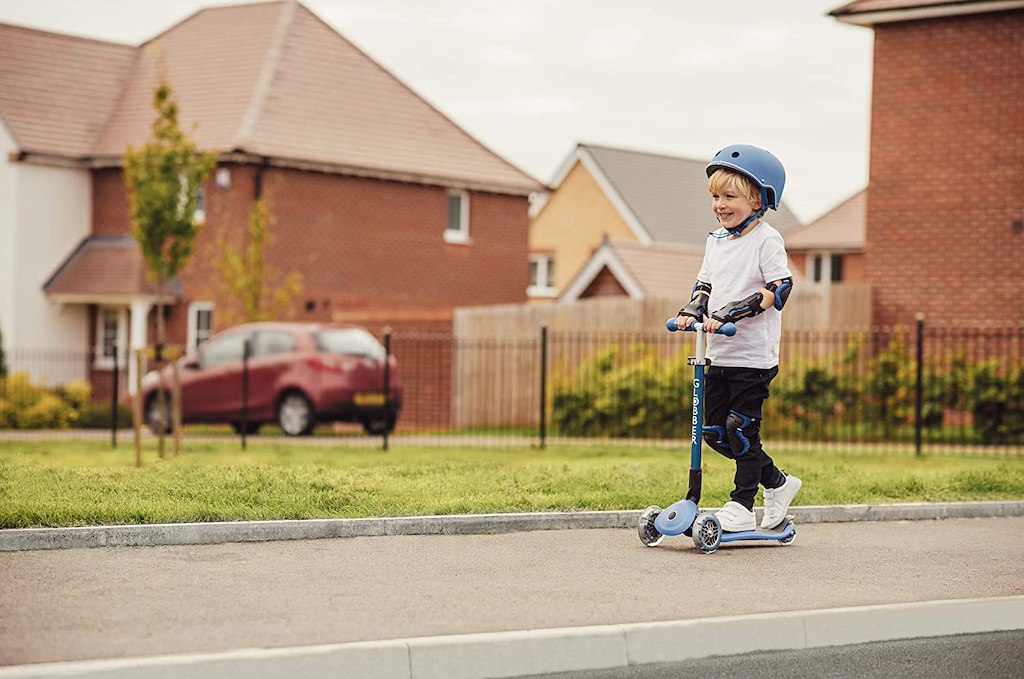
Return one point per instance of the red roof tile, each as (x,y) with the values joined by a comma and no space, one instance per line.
(841,228)
(105,266)
(57,91)
(269,79)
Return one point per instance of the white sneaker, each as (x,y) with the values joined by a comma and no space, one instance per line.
(777,500)
(734,518)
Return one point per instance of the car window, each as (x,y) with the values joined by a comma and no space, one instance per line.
(349,342)
(273,343)
(222,351)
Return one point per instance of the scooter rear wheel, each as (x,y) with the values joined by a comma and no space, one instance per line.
(707,533)
(649,535)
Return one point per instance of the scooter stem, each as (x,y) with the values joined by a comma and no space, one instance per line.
(697,418)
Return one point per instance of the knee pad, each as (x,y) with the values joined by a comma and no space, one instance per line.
(742,432)
(715,437)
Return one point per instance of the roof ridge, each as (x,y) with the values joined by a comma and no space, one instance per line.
(267,72)
(640,152)
(388,73)
(126,78)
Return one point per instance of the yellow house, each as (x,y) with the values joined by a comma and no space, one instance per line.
(621,195)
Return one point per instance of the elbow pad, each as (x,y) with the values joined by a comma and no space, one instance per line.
(698,306)
(745,308)
(781,291)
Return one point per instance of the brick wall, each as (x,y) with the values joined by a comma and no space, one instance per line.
(947,169)
(604,285)
(361,245)
(369,252)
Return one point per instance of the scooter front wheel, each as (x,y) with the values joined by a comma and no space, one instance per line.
(707,533)
(649,535)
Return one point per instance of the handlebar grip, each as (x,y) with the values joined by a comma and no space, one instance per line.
(727,329)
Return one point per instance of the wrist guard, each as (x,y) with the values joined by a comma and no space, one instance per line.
(745,308)
(698,306)
(781,291)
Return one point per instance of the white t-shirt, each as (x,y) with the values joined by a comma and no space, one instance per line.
(737,268)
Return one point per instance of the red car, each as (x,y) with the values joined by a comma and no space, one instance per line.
(300,375)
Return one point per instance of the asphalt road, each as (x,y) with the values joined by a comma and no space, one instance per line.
(997,655)
(129,602)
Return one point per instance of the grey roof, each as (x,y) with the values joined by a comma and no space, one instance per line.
(668,195)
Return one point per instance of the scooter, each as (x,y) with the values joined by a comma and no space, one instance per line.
(684,518)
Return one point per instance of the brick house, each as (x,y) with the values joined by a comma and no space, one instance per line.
(389,210)
(624,196)
(831,248)
(945,223)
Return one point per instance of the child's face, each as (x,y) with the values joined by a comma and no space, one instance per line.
(730,207)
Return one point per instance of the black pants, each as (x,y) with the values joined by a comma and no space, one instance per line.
(732,423)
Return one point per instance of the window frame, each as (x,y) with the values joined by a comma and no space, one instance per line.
(460,236)
(820,263)
(192,335)
(199,215)
(101,360)
(544,287)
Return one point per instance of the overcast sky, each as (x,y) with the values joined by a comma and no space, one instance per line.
(531,78)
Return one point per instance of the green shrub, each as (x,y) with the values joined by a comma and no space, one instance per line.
(997,403)
(631,394)
(97,416)
(24,405)
(855,395)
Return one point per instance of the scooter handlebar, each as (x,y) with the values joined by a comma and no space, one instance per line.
(727,329)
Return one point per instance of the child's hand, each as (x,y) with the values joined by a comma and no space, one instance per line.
(684,322)
(711,325)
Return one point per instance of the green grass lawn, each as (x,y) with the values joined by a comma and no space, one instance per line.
(76,483)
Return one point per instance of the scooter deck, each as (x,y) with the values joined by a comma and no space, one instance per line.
(784,530)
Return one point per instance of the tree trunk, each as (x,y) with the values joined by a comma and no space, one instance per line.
(159,355)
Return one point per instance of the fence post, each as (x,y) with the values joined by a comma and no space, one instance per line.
(137,405)
(919,396)
(387,385)
(543,383)
(246,350)
(176,405)
(113,403)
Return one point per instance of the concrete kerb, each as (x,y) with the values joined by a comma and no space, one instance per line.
(152,535)
(510,654)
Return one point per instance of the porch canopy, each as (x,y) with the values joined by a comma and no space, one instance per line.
(110,271)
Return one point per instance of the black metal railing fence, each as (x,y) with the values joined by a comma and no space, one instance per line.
(923,387)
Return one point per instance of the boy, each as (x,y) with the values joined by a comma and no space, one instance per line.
(745,277)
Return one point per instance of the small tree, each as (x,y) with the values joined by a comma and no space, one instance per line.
(163,180)
(260,289)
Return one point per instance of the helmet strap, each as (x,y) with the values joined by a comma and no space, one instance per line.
(739,229)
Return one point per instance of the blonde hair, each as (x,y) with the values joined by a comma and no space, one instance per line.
(723,180)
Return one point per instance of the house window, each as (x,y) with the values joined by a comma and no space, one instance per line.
(200,324)
(457,229)
(110,334)
(827,268)
(200,214)
(542,276)
(837,268)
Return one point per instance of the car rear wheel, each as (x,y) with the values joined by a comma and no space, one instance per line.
(155,416)
(379,425)
(295,415)
(250,427)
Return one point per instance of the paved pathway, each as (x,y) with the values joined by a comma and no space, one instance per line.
(75,604)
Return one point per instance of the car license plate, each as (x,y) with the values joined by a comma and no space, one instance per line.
(369,399)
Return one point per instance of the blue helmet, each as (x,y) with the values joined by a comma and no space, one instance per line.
(758,165)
